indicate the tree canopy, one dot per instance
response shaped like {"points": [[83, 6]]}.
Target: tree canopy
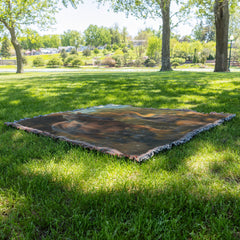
{"points": [[17, 15]]}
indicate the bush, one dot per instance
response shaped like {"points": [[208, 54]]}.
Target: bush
{"points": [[38, 62], [68, 60], [105, 52], [119, 60], [109, 48], [24, 60], [175, 64], [125, 50], [54, 62], [150, 62], [96, 50], [63, 54], [109, 61], [115, 46], [76, 62], [138, 62], [178, 60], [86, 52], [97, 62], [74, 51]]}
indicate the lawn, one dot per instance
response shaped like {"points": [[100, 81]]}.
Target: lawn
{"points": [[52, 190]]}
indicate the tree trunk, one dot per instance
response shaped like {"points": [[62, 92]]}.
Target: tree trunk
{"points": [[165, 8], [221, 12], [17, 48]]}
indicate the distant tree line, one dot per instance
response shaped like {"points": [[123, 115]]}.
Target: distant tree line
{"points": [[17, 15]]}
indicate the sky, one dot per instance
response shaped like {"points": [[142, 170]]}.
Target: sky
{"points": [[88, 13]]}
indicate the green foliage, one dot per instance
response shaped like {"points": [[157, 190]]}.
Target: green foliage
{"points": [[138, 62], [150, 62], [205, 33], [105, 51], [68, 60], [86, 52], [115, 35], [71, 38], [178, 60], [175, 64], [118, 52], [125, 50], [74, 51], [54, 62], [24, 60], [38, 62], [17, 14], [115, 47], [51, 41], [154, 48], [63, 54], [109, 47], [109, 62], [77, 62], [97, 36], [73, 61], [5, 49], [119, 60], [96, 50], [31, 40], [97, 62]]}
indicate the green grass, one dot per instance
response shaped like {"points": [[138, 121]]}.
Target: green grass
{"points": [[52, 190]]}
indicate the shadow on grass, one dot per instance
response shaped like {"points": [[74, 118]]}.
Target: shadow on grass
{"points": [[44, 206], [109, 198]]}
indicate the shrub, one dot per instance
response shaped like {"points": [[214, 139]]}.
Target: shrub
{"points": [[119, 60], [109, 61], [96, 50], [109, 48], [175, 64], [115, 46], [76, 62], [138, 62], [118, 52], [125, 50], [38, 62], [178, 60], [105, 52], [63, 54], [54, 62], [24, 60], [68, 60], [86, 52], [150, 62], [74, 51], [97, 62]]}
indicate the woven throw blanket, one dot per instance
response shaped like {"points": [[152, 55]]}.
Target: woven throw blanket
{"points": [[123, 130]]}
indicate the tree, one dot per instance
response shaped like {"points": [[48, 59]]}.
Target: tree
{"points": [[72, 38], [154, 48], [115, 35], [97, 36], [15, 15], [221, 10], [205, 32], [31, 41], [51, 41], [144, 35], [234, 25], [144, 9], [5, 49], [124, 35]]}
